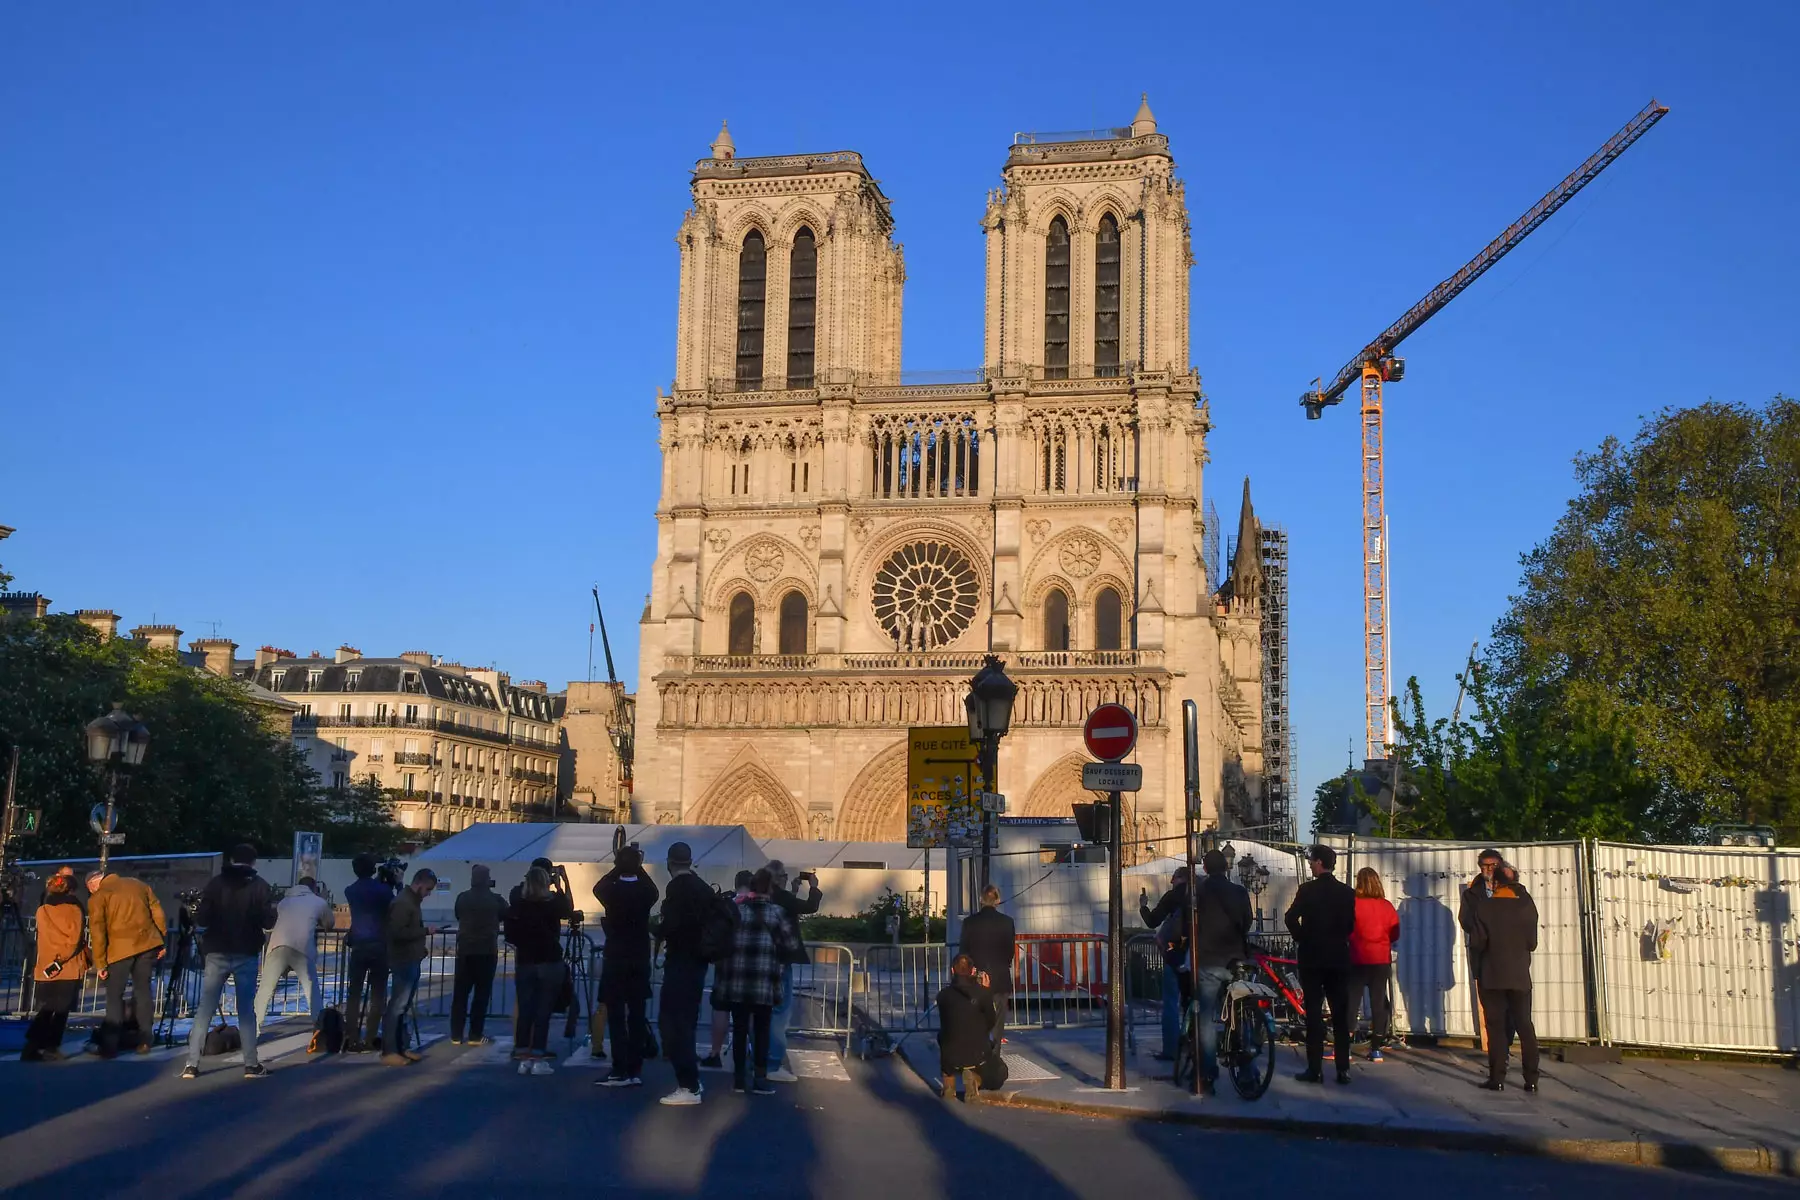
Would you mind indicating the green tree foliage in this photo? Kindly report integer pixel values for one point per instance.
(214, 773)
(360, 819)
(1661, 619)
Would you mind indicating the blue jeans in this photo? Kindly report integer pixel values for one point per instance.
(778, 1020)
(402, 989)
(242, 970)
(1171, 1008)
(1208, 983)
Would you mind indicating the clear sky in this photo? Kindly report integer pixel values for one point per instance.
(343, 322)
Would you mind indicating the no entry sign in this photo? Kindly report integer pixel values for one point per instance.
(1110, 732)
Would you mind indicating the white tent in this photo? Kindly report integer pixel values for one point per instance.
(713, 845)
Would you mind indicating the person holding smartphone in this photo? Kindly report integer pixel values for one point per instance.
(793, 908)
(62, 960)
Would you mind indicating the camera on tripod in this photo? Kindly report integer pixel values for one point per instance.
(190, 905)
(392, 872)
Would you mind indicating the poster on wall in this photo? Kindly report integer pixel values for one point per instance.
(943, 789)
(309, 849)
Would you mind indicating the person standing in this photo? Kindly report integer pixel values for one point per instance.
(1475, 893)
(478, 914)
(628, 896)
(1321, 918)
(1372, 957)
(721, 1016)
(685, 908)
(1222, 917)
(126, 930)
(369, 899)
(62, 960)
(534, 929)
(749, 982)
(990, 941)
(793, 908)
(294, 946)
(967, 1021)
(408, 942)
(236, 911)
(1170, 911)
(1506, 934)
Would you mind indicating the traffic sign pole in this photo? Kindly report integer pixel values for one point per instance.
(1115, 950)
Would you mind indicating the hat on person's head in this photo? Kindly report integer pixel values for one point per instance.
(1215, 862)
(681, 854)
(1325, 856)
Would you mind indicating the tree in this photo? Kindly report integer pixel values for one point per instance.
(1659, 625)
(360, 818)
(214, 774)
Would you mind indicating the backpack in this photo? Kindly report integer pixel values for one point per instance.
(993, 1071)
(328, 1038)
(224, 1039)
(718, 927)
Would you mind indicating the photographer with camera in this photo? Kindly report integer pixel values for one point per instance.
(628, 896)
(61, 962)
(793, 908)
(294, 947)
(237, 909)
(369, 899)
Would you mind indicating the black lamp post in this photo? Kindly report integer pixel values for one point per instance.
(1255, 878)
(989, 703)
(117, 740)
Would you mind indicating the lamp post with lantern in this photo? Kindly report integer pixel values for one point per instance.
(989, 704)
(1255, 878)
(117, 741)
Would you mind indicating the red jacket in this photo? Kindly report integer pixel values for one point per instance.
(1377, 929)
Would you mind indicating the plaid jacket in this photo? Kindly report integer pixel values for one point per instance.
(751, 973)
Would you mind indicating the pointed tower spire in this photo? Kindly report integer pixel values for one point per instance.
(723, 147)
(1144, 124)
(1246, 561)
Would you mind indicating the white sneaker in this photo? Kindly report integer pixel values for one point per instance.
(540, 1067)
(525, 1066)
(783, 1075)
(681, 1096)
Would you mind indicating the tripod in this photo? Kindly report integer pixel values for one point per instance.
(576, 951)
(186, 960)
(12, 926)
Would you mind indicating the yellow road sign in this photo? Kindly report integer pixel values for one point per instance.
(943, 788)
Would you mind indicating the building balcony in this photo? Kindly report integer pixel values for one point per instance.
(933, 661)
(410, 759)
(534, 777)
(305, 725)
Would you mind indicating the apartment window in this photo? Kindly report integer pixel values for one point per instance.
(1056, 301)
(306, 710)
(381, 712)
(1106, 298)
(412, 714)
(352, 679)
(412, 745)
(377, 749)
(753, 269)
(803, 288)
(312, 680)
(412, 782)
(344, 711)
(337, 781)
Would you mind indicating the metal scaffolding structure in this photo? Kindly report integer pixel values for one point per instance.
(1277, 725)
(1209, 547)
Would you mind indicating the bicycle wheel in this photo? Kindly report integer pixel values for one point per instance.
(1184, 1053)
(1252, 1060)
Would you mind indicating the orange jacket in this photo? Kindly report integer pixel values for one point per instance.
(60, 937)
(124, 918)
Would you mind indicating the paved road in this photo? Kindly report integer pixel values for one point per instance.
(463, 1124)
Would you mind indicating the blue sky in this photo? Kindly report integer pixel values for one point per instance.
(344, 323)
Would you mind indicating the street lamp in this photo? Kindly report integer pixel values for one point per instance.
(989, 704)
(116, 740)
(1255, 878)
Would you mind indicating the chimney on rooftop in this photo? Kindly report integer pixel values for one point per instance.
(348, 654)
(418, 658)
(218, 652)
(103, 621)
(158, 637)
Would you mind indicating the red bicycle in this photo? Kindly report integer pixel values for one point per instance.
(1280, 969)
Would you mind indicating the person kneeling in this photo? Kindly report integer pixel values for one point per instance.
(967, 1020)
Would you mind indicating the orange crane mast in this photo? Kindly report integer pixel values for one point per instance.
(1377, 364)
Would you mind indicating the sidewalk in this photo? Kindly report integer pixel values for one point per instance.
(1647, 1111)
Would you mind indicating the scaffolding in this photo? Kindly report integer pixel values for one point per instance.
(1277, 725)
(1209, 547)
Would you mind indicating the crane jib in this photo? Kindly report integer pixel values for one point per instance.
(1495, 250)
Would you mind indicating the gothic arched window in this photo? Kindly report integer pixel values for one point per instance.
(743, 624)
(793, 623)
(753, 271)
(803, 289)
(1106, 298)
(1056, 301)
(1056, 620)
(1109, 625)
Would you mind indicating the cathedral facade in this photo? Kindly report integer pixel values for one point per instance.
(840, 546)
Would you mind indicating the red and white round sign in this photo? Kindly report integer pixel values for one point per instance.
(1110, 732)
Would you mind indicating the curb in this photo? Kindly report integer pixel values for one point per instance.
(1640, 1151)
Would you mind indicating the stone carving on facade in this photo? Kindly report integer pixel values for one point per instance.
(821, 823)
(925, 595)
(809, 536)
(718, 539)
(1038, 530)
(1120, 528)
(861, 526)
(763, 561)
(981, 524)
(1080, 556)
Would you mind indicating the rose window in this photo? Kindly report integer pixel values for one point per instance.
(926, 595)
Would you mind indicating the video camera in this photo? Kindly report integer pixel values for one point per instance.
(391, 872)
(190, 906)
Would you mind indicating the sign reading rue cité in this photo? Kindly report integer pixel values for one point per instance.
(943, 788)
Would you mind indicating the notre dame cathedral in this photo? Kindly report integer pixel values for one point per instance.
(838, 546)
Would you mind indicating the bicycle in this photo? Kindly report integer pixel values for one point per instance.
(1246, 1033)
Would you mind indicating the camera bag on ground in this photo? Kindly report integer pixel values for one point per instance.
(993, 1071)
(328, 1038)
(223, 1039)
(718, 927)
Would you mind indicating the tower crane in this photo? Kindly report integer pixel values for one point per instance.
(1376, 364)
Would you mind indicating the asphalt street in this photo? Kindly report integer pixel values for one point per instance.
(463, 1123)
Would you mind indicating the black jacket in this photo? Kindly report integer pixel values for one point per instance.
(1225, 920)
(684, 910)
(795, 908)
(966, 1020)
(1321, 918)
(988, 938)
(628, 903)
(1506, 932)
(237, 909)
(534, 927)
(1173, 900)
(1473, 897)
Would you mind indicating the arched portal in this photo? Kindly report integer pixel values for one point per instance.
(875, 806)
